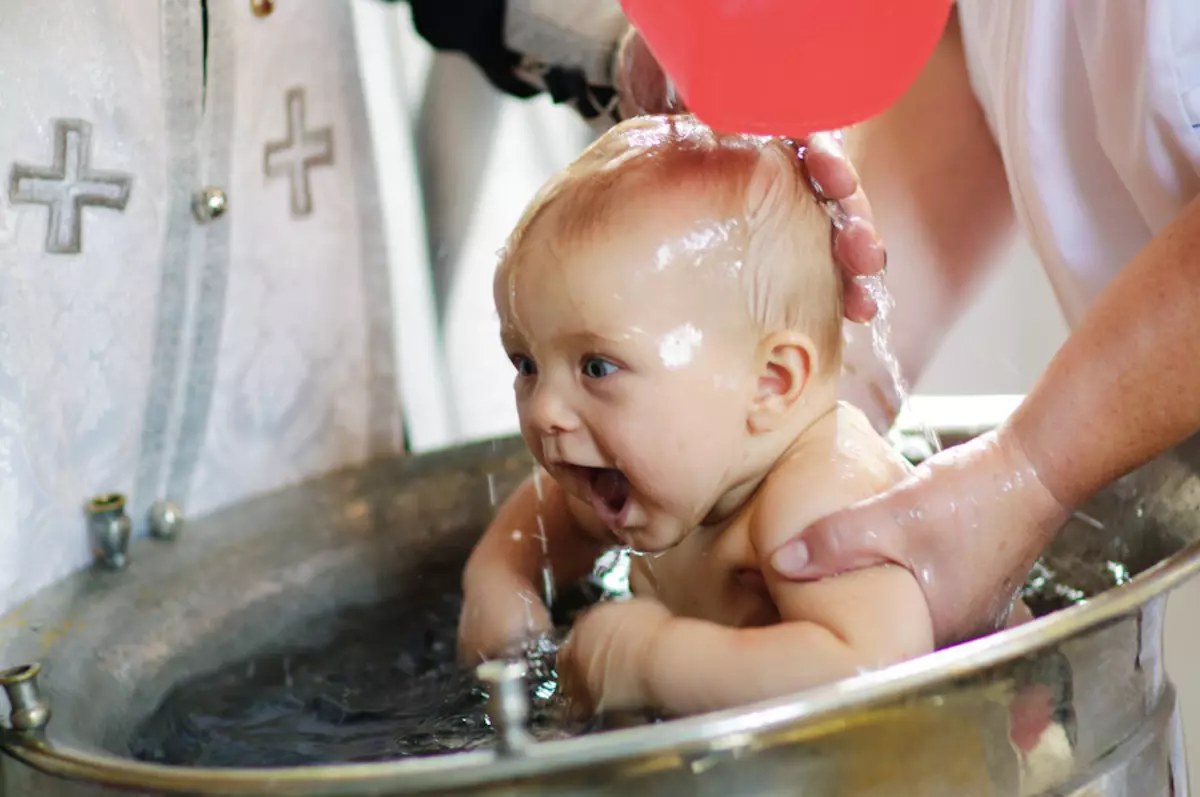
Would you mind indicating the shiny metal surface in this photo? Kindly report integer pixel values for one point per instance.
(508, 704)
(1077, 703)
(109, 528)
(166, 520)
(210, 203)
(28, 711)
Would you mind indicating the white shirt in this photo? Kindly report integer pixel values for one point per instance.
(143, 350)
(1095, 106)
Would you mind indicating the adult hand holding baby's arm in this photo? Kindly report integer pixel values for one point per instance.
(1122, 390)
(968, 523)
(642, 88)
(503, 581)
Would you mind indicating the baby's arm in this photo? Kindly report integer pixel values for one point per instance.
(830, 629)
(503, 578)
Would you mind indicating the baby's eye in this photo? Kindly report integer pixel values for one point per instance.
(598, 368)
(523, 364)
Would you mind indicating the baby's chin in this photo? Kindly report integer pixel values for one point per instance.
(652, 540)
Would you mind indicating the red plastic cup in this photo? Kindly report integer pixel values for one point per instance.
(789, 67)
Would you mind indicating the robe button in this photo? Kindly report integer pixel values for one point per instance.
(209, 204)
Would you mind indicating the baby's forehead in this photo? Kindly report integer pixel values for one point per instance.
(648, 211)
(648, 238)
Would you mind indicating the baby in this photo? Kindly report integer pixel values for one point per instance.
(673, 313)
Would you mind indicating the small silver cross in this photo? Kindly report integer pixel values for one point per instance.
(300, 151)
(68, 185)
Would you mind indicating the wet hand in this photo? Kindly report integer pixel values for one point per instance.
(968, 523)
(602, 666)
(643, 88)
(498, 622)
(857, 248)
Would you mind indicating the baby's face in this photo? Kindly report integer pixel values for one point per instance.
(635, 369)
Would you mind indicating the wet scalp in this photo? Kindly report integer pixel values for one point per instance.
(790, 279)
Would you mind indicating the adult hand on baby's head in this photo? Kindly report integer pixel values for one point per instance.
(643, 88)
(968, 523)
(857, 248)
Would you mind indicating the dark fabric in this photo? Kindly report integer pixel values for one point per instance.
(475, 28)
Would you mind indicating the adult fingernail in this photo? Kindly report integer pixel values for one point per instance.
(791, 559)
(824, 143)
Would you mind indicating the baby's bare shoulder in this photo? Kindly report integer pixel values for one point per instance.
(849, 463)
(879, 612)
(865, 451)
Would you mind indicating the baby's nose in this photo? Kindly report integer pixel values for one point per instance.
(551, 413)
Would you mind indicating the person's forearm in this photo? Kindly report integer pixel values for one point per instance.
(1125, 386)
(528, 535)
(696, 666)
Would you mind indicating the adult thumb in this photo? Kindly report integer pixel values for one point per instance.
(847, 540)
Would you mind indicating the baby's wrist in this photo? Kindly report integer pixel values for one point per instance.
(648, 662)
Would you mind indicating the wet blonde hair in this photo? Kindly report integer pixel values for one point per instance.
(788, 273)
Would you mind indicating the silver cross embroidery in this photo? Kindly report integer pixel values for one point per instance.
(300, 151)
(68, 185)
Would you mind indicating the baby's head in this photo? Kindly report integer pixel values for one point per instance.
(672, 309)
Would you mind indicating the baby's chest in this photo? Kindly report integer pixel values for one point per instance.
(711, 575)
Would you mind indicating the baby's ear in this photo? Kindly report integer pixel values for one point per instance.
(786, 360)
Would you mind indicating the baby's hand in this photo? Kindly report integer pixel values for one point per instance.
(602, 665)
(497, 622)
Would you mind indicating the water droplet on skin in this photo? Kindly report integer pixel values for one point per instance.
(692, 245)
(677, 348)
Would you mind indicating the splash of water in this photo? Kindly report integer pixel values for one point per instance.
(547, 573)
(881, 331)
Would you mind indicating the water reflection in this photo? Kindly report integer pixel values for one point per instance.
(381, 683)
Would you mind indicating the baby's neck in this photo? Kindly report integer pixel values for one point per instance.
(815, 415)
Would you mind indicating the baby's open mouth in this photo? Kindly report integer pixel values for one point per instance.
(609, 492)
